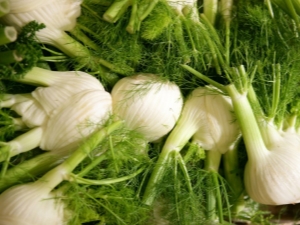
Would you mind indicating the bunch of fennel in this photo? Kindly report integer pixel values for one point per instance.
(269, 130)
(46, 111)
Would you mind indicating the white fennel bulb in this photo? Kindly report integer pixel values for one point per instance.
(30, 204)
(57, 88)
(60, 14)
(57, 15)
(273, 177)
(84, 113)
(70, 107)
(207, 116)
(147, 104)
(271, 174)
(217, 126)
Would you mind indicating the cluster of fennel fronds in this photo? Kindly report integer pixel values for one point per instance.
(246, 52)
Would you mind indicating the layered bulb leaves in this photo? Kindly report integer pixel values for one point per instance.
(147, 104)
(272, 177)
(218, 128)
(208, 117)
(58, 17)
(70, 107)
(271, 174)
(30, 204)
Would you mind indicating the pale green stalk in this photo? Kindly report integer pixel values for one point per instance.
(116, 10)
(63, 171)
(8, 34)
(214, 200)
(203, 77)
(251, 131)
(233, 176)
(31, 168)
(175, 142)
(40, 164)
(139, 13)
(210, 9)
(4, 7)
(9, 57)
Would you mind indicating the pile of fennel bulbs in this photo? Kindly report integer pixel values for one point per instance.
(189, 151)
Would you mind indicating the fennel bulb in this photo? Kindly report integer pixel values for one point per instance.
(206, 115)
(217, 129)
(30, 204)
(70, 107)
(36, 203)
(271, 175)
(57, 15)
(147, 104)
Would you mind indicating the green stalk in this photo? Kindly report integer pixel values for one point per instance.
(4, 7)
(276, 90)
(214, 200)
(8, 34)
(270, 8)
(174, 143)
(210, 8)
(40, 77)
(252, 136)
(184, 170)
(31, 168)
(293, 12)
(82, 55)
(81, 36)
(116, 10)
(63, 171)
(40, 164)
(205, 78)
(146, 9)
(131, 27)
(75, 178)
(232, 174)
(139, 13)
(226, 8)
(296, 5)
(9, 57)
(91, 165)
(23, 143)
(5, 155)
(112, 151)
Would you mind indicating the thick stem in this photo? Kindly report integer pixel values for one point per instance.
(116, 10)
(210, 8)
(76, 50)
(4, 7)
(61, 172)
(31, 168)
(40, 77)
(212, 163)
(252, 136)
(232, 174)
(205, 78)
(9, 57)
(23, 143)
(175, 142)
(8, 34)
